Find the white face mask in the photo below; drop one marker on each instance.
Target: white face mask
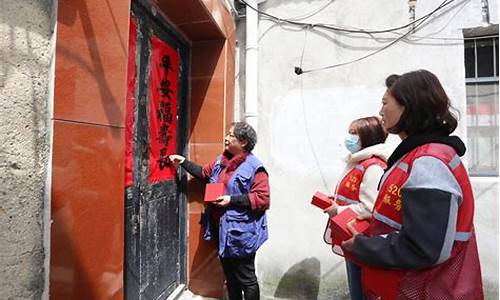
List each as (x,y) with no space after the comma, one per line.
(351,142)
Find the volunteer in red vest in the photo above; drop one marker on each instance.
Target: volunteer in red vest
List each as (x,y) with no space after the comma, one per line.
(422,243)
(357,189)
(237,219)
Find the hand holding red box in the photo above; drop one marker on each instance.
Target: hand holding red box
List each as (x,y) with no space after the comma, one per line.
(338,225)
(214,191)
(321,200)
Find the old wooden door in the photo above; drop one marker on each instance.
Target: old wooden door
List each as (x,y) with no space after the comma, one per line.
(155,201)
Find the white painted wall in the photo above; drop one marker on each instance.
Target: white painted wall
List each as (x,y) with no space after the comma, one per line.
(303,119)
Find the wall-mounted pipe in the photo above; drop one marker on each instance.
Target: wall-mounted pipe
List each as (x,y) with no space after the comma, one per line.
(251,64)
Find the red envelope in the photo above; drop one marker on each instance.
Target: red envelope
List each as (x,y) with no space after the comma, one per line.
(338,224)
(321,200)
(213,191)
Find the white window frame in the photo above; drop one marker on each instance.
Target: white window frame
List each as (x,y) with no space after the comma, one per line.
(472,81)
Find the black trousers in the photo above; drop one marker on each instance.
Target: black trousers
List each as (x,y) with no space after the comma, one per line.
(240,277)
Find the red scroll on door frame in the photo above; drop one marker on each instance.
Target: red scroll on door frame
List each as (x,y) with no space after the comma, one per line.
(163,90)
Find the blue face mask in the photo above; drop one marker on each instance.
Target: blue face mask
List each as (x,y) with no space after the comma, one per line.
(352,143)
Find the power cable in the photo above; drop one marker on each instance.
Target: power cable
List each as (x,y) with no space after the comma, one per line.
(303,47)
(337,28)
(298,70)
(415,25)
(308,136)
(310,14)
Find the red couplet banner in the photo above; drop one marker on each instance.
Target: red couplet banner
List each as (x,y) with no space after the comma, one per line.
(129,108)
(163,90)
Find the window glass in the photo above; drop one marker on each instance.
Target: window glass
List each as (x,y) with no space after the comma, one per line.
(469,59)
(482,128)
(496,54)
(483,152)
(484,50)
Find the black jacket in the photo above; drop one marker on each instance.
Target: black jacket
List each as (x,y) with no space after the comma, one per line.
(430,200)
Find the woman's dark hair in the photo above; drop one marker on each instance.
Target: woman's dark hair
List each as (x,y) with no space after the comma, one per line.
(245,133)
(426,105)
(370,131)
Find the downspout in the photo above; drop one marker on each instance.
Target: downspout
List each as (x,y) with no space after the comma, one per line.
(251,65)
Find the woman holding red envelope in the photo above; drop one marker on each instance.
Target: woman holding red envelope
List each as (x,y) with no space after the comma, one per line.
(358,187)
(238,216)
(421,244)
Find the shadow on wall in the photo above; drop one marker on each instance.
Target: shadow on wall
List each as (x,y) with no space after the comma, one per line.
(93,63)
(301,281)
(204,75)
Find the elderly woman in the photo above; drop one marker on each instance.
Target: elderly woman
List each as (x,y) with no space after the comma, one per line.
(240,214)
(422,243)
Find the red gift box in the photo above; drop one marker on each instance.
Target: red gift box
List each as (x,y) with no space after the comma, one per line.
(214,191)
(321,200)
(338,224)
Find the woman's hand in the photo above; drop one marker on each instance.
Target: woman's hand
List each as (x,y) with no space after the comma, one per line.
(365,215)
(332,210)
(349,244)
(223,201)
(176,159)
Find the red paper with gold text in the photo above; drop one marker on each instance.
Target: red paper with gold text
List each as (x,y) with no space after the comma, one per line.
(163,92)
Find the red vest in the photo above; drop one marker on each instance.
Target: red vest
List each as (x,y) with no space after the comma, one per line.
(459,277)
(347,191)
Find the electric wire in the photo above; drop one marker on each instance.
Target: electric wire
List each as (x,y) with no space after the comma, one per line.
(310,14)
(360,30)
(343,29)
(308,136)
(304,117)
(413,36)
(303,47)
(417,37)
(299,70)
(415,26)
